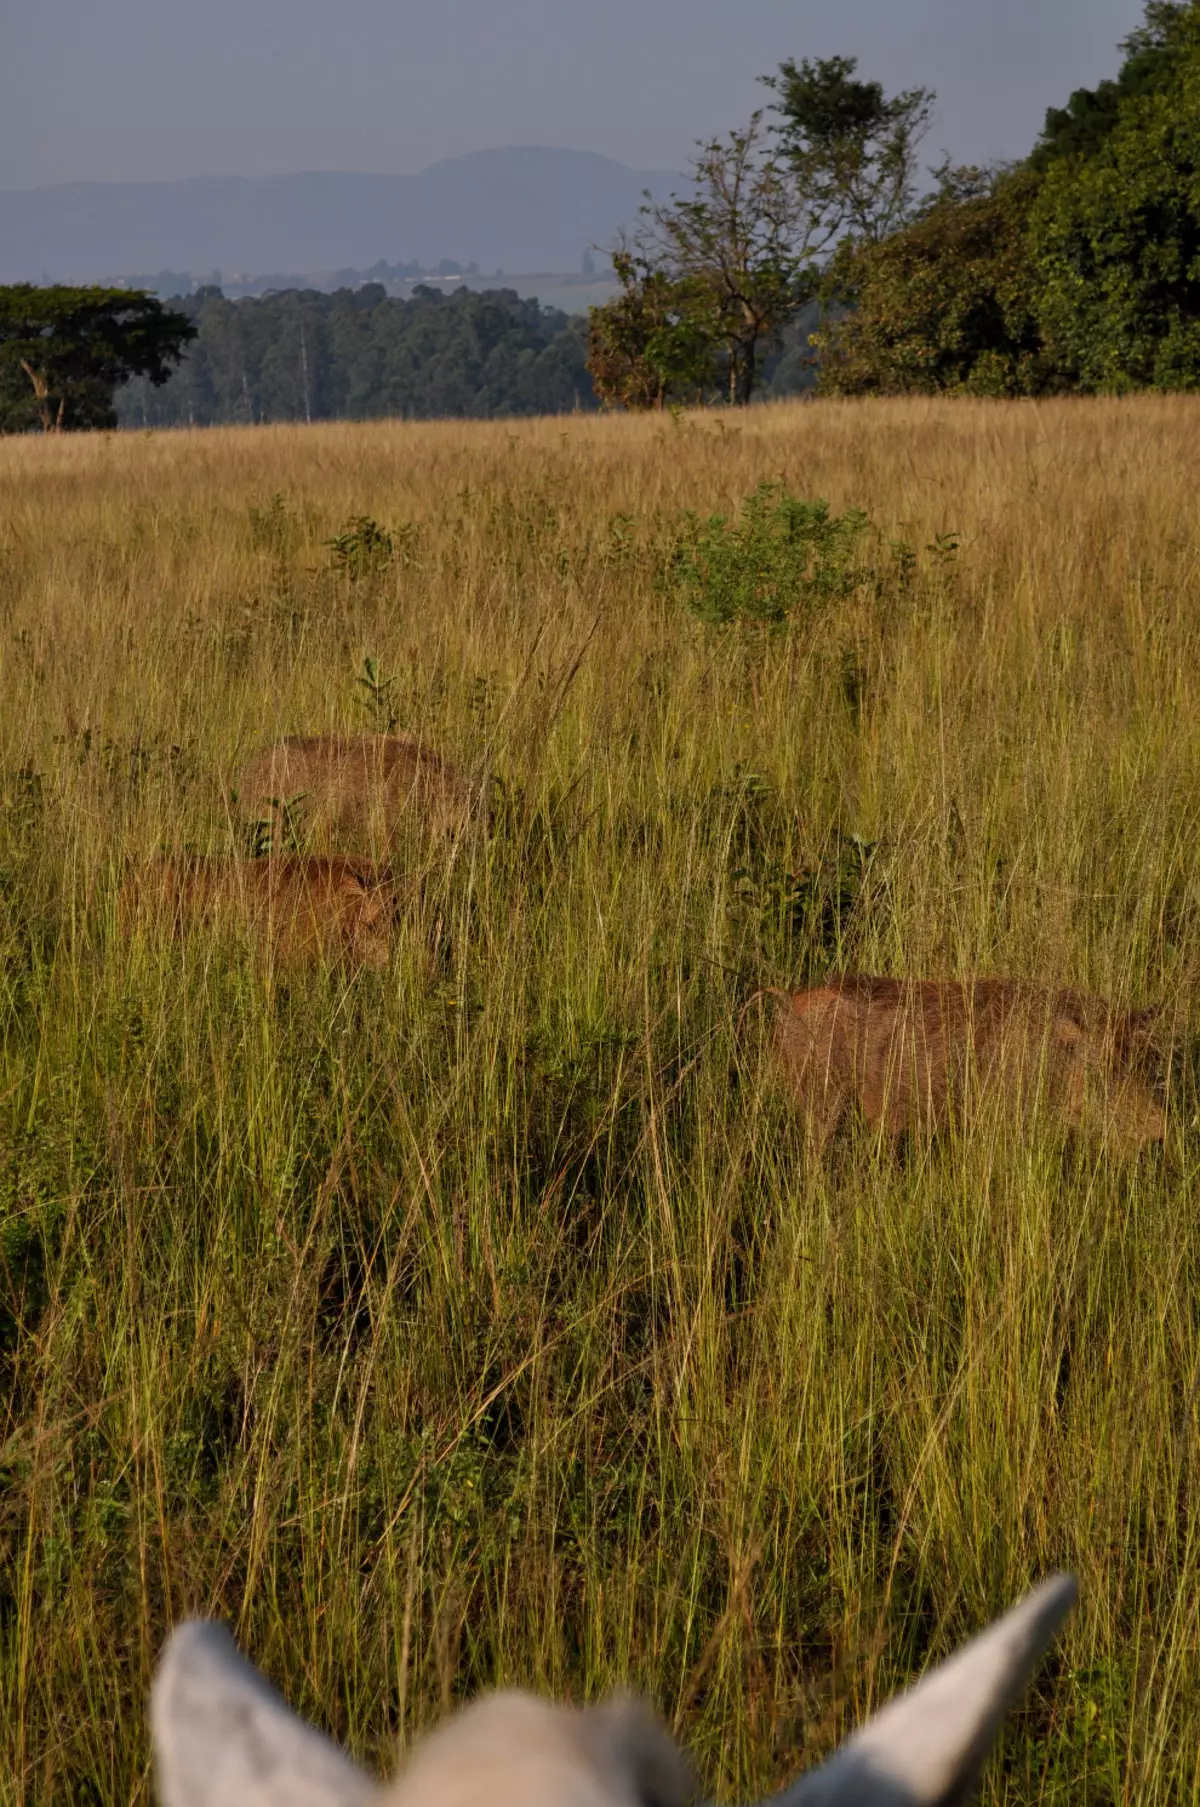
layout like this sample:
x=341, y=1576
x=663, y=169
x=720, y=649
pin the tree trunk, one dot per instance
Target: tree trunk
x=51, y=422
x=742, y=372
x=304, y=371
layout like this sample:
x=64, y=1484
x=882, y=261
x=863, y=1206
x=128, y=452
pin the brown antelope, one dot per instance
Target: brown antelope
x=302, y=906
x=909, y=1053
x=357, y=792
x=223, y=1738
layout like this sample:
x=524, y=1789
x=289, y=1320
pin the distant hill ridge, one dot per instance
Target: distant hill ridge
x=521, y=208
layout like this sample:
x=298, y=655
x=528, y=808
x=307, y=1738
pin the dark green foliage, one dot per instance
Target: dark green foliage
x=782, y=562
x=798, y=921
x=793, y=919
x=946, y=304
x=655, y=342
x=1077, y=270
x=64, y=351
x=362, y=549
x=854, y=150
x=359, y=355
x=1116, y=241
x=794, y=368
x=1151, y=53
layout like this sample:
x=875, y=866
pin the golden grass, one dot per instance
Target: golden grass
x=485, y=1324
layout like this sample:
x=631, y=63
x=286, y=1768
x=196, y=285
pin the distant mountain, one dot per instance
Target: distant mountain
x=524, y=208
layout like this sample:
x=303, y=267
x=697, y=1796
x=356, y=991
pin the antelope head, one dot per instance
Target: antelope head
x=224, y=1738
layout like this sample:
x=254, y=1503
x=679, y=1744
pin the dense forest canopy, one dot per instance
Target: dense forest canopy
x=357, y=354
x=1153, y=54
x=360, y=354
x=1075, y=269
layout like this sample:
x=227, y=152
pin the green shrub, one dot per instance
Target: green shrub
x=362, y=549
x=783, y=562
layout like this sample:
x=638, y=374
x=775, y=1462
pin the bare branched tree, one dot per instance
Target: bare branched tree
x=747, y=236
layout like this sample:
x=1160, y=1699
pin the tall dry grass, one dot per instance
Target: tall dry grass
x=481, y=1321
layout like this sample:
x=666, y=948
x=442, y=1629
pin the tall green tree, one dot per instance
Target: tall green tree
x=1078, y=269
x=1152, y=53
x=735, y=259
x=1115, y=239
x=65, y=351
x=853, y=151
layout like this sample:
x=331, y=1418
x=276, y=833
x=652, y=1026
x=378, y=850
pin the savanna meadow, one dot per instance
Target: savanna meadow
x=481, y=1314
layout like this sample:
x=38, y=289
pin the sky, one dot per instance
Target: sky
x=136, y=90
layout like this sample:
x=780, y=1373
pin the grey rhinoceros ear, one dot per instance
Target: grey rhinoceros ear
x=224, y=1738
x=927, y=1747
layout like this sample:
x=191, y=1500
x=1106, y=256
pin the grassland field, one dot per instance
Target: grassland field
x=482, y=1320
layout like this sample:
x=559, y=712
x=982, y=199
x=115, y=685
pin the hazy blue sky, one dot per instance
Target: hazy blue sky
x=139, y=89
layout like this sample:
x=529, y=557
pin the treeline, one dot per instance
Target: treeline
x=358, y=354
x=808, y=248
x=1075, y=269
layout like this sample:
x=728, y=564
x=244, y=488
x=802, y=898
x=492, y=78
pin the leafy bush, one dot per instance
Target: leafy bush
x=362, y=549
x=782, y=561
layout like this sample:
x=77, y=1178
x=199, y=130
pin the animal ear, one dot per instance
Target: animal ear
x=627, y=1740
x=224, y=1738
x=927, y=1747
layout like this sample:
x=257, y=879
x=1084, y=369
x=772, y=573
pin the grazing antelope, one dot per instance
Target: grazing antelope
x=304, y=907
x=223, y=1738
x=358, y=792
x=910, y=1052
